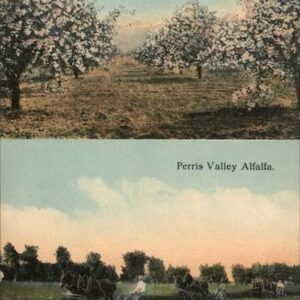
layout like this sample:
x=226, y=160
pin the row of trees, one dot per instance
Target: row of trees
x=26, y=266
x=273, y=272
x=181, y=41
x=137, y=263
x=59, y=35
x=265, y=44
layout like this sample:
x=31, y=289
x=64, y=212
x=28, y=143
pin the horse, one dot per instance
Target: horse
x=68, y=280
x=199, y=288
x=96, y=289
x=269, y=288
x=264, y=287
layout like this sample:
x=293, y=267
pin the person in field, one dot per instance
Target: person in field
x=280, y=288
x=140, y=289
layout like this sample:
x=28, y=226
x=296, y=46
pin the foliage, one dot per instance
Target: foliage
x=11, y=257
x=30, y=265
x=63, y=257
x=272, y=272
x=173, y=272
x=58, y=34
x=134, y=265
x=265, y=43
x=182, y=39
x=156, y=269
x=93, y=262
x=241, y=274
x=214, y=274
x=27, y=267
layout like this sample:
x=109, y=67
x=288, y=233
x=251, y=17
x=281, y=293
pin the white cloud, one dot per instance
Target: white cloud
x=183, y=226
x=98, y=190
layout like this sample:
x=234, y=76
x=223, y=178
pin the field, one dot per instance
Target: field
x=130, y=100
x=51, y=291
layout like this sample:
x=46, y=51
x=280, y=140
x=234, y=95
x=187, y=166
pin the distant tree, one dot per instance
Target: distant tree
x=134, y=265
x=110, y=273
x=95, y=266
x=173, y=272
x=51, y=272
x=275, y=272
x=214, y=273
x=157, y=270
x=241, y=274
x=63, y=257
x=259, y=271
x=182, y=39
x=12, y=259
x=295, y=274
x=29, y=261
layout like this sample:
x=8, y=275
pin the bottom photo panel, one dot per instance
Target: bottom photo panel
x=147, y=220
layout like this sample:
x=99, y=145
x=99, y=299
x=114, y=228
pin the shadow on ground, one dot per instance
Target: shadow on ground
x=262, y=123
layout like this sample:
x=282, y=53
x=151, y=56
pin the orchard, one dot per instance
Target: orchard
x=181, y=41
x=265, y=43
x=57, y=34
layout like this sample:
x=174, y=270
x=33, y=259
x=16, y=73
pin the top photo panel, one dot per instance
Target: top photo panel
x=160, y=69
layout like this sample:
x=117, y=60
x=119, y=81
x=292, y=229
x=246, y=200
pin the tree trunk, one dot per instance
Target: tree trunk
x=76, y=73
x=199, y=72
x=15, y=96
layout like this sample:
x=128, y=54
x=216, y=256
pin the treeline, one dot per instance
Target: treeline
x=26, y=266
x=273, y=272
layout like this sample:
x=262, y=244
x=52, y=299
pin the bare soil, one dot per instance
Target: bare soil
x=131, y=100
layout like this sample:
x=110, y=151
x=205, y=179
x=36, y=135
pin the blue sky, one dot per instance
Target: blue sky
x=161, y=8
x=133, y=28
x=44, y=173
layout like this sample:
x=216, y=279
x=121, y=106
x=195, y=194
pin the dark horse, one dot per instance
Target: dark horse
x=68, y=280
x=264, y=287
x=196, y=287
x=86, y=286
x=96, y=289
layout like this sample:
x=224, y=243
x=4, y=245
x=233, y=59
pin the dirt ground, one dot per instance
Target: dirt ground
x=132, y=101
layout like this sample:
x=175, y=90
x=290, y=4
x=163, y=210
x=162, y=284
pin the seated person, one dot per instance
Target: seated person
x=280, y=288
x=140, y=289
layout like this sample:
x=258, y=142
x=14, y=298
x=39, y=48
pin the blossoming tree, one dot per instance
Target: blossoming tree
x=181, y=39
x=265, y=43
x=58, y=34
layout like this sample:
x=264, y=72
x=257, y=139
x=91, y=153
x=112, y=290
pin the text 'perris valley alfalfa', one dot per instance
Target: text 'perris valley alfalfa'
x=224, y=166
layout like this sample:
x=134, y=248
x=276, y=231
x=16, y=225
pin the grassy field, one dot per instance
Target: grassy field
x=50, y=291
x=132, y=101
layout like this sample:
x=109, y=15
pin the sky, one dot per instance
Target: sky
x=163, y=8
x=116, y=196
x=143, y=16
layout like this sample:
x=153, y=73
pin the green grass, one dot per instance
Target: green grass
x=52, y=291
x=30, y=291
